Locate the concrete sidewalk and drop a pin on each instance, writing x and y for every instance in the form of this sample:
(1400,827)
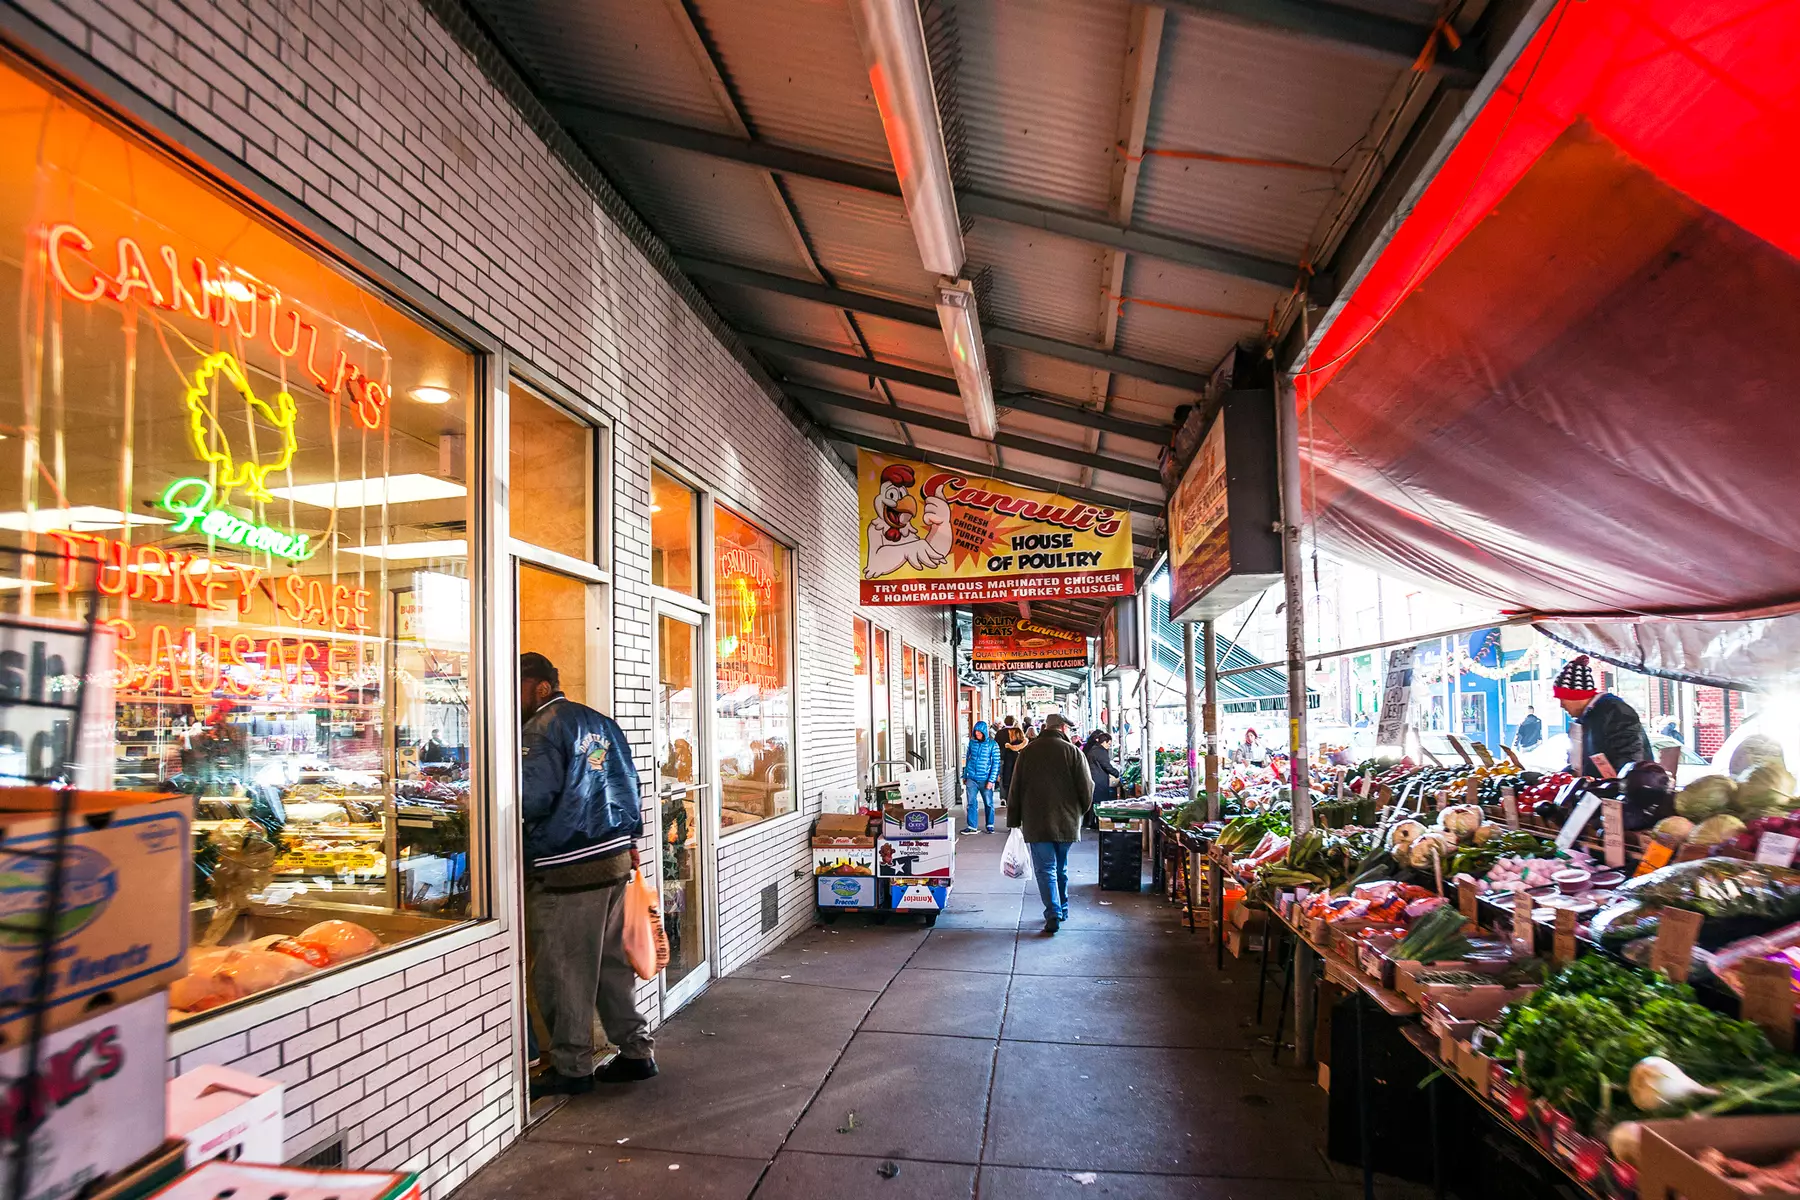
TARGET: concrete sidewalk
(980,1058)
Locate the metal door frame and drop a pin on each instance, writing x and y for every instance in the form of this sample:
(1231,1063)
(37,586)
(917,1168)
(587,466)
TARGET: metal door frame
(706,823)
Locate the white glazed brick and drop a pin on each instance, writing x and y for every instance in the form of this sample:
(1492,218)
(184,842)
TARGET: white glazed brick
(375,118)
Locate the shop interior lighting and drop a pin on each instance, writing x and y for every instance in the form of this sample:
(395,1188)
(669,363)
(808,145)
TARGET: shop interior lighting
(11,583)
(432,394)
(968,358)
(893,41)
(371,493)
(82,518)
(410,551)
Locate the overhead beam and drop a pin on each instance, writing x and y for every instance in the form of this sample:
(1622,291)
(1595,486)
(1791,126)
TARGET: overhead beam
(913,314)
(946,424)
(599,122)
(1384,37)
(901,450)
(1222,259)
(1156,435)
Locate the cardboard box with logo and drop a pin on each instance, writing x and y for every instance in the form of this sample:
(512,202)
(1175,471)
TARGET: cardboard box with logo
(123,923)
(846,891)
(898,821)
(915,857)
(226,1114)
(917,895)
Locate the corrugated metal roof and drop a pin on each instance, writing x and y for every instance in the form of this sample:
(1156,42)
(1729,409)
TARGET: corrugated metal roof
(799,74)
(628,56)
(705,206)
(1040,83)
(1039,282)
(1050,470)
(1188,338)
(1051,376)
(1233,89)
(756,311)
(862,240)
(894,341)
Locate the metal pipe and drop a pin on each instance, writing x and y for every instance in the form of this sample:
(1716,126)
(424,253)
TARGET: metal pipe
(1209,646)
(1287,418)
(1187,675)
(1145,651)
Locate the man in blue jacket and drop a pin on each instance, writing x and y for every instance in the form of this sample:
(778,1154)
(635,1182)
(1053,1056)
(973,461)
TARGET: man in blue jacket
(981,767)
(578,797)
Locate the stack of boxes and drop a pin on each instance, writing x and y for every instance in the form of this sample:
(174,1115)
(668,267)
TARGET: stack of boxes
(843,847)
(917,855)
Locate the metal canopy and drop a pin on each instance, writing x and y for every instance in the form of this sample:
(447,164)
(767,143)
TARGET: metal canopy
(1141,188)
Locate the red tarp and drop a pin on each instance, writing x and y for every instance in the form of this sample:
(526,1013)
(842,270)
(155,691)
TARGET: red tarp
(1568,383)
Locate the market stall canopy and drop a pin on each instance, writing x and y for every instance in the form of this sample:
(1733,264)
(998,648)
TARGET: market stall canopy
(1258,680)
(1566,381)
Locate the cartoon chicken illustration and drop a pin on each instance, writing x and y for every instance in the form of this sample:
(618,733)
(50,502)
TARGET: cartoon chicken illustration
(893,540)
(270,448)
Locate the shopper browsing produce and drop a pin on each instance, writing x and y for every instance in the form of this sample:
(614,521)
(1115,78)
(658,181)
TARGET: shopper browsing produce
(1051,789)
(578,795)
(1098,751)
(1609,726)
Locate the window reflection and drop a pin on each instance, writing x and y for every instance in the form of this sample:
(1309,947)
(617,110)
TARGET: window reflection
(753,618)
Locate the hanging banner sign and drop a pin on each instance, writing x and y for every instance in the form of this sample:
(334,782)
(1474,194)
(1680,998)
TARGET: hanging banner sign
(932,536)
(1222,546)
(1009,643)
(1396,697)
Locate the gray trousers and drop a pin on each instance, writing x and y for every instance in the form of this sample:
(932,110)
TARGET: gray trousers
(578,965)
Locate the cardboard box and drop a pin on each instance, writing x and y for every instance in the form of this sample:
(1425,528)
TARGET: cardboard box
(918,895)
(846,891)
(915,857)
(1245,917)
(1240,940)
(846,860)
(898,821)
(253,1181)
(226,1114)
(1406,973)
(102,1103)
(1667,1169)
(125,907)
(842,829)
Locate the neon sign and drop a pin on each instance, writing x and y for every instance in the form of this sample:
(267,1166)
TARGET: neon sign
(224,298)
(222,526)
(208,432)
(155,574)
(185,662)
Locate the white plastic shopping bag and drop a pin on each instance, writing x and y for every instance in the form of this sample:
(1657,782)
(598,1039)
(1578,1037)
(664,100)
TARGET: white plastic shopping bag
(1015,860)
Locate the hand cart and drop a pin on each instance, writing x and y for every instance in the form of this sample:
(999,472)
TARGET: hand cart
(916,852)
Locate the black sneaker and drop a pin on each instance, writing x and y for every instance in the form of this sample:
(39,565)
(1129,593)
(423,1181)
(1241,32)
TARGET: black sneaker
(1052,925)
(552,1083)
(626,1070)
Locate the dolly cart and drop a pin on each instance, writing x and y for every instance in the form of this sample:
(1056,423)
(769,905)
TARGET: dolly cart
(915,858)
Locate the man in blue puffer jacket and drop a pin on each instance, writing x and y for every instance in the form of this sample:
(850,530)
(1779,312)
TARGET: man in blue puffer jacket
(578,797)
(981,767)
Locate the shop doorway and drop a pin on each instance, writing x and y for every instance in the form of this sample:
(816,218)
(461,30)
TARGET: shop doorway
(683,804)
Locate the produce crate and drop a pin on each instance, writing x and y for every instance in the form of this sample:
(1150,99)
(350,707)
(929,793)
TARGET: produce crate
(1667,1168)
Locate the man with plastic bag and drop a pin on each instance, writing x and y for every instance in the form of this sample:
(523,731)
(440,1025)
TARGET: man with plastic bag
(578,797)
(1051,790)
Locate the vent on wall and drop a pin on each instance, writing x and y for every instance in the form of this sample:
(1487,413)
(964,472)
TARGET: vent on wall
(326,1155)
(771,908)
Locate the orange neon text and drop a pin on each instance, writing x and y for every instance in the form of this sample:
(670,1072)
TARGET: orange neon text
(321,604)
(154,574)
(181,662)
(219,295)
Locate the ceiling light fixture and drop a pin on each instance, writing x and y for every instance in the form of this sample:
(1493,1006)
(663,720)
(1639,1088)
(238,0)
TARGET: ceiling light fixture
(893,42)
(410,551)
(369,493)
(968,357)
(82,518)
(432,394)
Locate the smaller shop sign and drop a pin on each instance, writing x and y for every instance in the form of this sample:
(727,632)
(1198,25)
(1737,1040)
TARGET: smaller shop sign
(846,891)
(920,895)
(1010,643)
(917,856)
(903,822)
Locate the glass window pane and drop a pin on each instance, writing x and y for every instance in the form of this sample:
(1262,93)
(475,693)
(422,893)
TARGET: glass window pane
(859,690)
(909,713)
(551,456)
(557,620)
(881,697)
(674,533)
(754,622)
(259,468)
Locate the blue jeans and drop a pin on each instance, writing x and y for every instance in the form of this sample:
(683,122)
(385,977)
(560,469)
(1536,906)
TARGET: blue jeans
(1050,862)
(980,794)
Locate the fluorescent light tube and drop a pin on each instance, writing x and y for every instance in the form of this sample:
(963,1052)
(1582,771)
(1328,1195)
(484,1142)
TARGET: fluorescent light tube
(406,551)
(968,357)
(369,493)
(82,518)
(893,42)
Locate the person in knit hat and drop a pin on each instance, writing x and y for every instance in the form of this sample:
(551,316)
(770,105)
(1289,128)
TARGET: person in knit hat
(1609,726)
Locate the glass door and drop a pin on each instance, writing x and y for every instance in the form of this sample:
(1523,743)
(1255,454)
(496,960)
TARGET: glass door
(683,784)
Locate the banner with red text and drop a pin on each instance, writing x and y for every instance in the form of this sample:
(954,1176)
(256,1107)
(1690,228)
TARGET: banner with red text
(1007,642)
(931,536)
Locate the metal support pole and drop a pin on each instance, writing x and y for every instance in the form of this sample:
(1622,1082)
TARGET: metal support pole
(1209,647)
(1287,418)
(1146,657)
(1187,676)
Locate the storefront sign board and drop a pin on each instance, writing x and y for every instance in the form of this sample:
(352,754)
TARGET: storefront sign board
(1119,637)
(1223,548)
(932,536)
(917,857)
(103,1102)
(1007,642)
(1396,697)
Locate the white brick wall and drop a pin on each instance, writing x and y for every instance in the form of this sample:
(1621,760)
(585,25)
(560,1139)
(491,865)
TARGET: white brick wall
(380,126)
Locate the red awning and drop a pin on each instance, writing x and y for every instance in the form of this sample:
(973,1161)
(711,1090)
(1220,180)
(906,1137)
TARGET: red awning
(1568,382)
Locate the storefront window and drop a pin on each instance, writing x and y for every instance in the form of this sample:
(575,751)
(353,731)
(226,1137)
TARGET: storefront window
(674,533)
(881,697)
(551,461)
(754,693)
(859,689)
(257,469)
(909,700)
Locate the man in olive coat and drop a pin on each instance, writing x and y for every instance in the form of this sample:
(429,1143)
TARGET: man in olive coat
(1051,790)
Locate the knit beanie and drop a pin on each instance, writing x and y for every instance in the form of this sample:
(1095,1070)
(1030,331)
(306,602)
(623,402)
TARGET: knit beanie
(1576,681)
